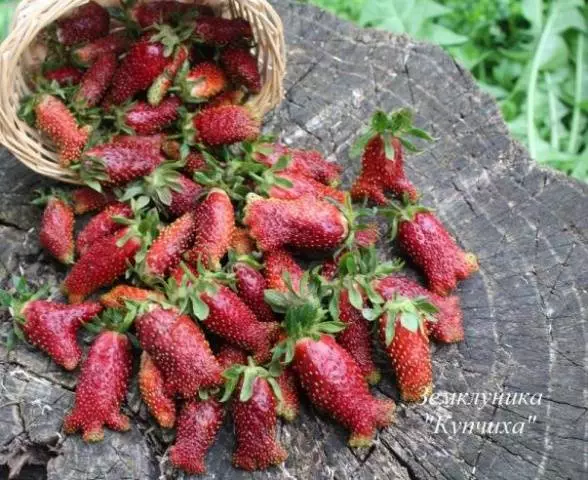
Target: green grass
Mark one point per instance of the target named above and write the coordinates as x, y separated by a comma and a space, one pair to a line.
531, 55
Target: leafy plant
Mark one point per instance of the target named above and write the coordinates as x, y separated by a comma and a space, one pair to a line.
6, 9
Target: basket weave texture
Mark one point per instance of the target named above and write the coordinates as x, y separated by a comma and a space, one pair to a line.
21, 53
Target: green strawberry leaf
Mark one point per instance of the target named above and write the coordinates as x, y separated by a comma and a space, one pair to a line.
355, 297
410, 321
199, 309
249, 378
390, 328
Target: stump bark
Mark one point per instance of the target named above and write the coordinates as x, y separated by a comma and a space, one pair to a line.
525, 312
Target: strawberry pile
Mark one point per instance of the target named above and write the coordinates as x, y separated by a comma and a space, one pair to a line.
246, 277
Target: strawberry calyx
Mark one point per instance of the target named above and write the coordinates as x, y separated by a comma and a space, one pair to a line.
355, 218
42, 196
249, 373
171, 37
43, 87
397, 213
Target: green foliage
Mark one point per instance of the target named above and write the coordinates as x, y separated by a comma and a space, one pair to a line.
531, 55
6, 9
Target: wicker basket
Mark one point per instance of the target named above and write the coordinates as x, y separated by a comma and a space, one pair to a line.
20, 53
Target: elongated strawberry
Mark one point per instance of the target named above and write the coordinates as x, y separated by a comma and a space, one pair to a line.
97, 80
225, 125
147, 14
279, 265
221, 31
86, 55
86, 199
448, 324
120, 294
86, 23
56, 121
158, 90
251, 286
330, 377
241, 66
151, 386
152, 143
306, 162
291, 186
66, 75
56, 234
302, 223
289, 405
429, 245
215, 222
357, 339
102, 225
166, 251
143, 119
179, 350
101, 388
229, 355
382, 163
198, 426
241, 243
204, 81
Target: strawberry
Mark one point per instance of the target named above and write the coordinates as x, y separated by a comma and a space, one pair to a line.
302, 223
119, 162
430, 246
198, 426
330, 377
279, 265
368, 236
194, 163
221, 31
215, 222
56, 121
86, 55
102, 225
329, 268
229, 97
382, 163
165, 252
448, 327
152, 143
254, 416
251, 286
146, 14
120, 294
241, 243
291, 186
225, 125
204, 81
179, 350
101, 388
289, 406
88, 22
86, 199
96, 80
229, 355
140, 118
151, 386
158, 90
56, 234
241, 67
305, 162
66, 75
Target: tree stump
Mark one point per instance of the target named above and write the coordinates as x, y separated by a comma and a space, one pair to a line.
524, 313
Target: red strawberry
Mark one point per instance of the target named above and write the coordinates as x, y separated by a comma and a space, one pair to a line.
225, 125
230, 97
241, 243
101, 388
215, 222
119, 162
86, 23
251, 286
55, 120
166, 251
147, 14
66, 75
430, 246
204, 81
179, 350
102, 225
356, 338
277, 264
305, 162
86, 199
329, 268
302, 223
87, 54
56, 234
151, 385
52, 327
299, 186
97, 80
382, 164
194, 162
289, 405
120, 294
448, 327
221, 31
198, 425
230, 355
151, 143
368, 236
102, 264
241, 66
158, 90
143, 119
